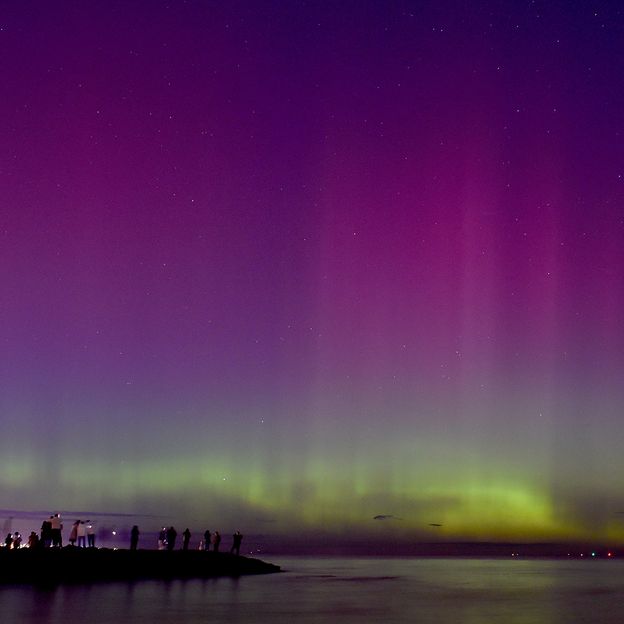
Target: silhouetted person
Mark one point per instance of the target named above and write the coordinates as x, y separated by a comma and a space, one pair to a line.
186, 538
90, 535
33, 540
82, 535
237, 538
206, 539
46, 533
17, 540
216, 540
8, 541
134, 537
162, 539
171, 538
57, 528
73, 534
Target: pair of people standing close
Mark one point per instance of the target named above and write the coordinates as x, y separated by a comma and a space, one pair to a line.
215, 540
56, 528
78, 533
13, 541
51, 532
237, 538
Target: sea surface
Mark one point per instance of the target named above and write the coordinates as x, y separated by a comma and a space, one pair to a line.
319, 590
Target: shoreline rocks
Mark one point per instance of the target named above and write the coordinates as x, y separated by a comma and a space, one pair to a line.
52, 566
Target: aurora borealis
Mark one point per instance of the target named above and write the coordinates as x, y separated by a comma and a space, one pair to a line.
288, 266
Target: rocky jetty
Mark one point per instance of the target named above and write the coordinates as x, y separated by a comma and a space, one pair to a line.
78, 565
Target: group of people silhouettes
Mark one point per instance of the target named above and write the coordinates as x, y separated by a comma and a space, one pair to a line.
82, 535
52, 532
51, 535
14, 540
167, 539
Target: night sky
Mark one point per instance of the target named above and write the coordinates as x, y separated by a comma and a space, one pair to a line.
285, 266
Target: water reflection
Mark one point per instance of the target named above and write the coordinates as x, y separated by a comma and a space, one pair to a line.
315, 591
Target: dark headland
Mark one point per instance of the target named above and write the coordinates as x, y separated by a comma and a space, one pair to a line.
77, 565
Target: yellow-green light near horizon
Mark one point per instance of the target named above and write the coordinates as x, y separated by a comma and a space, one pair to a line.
321, 496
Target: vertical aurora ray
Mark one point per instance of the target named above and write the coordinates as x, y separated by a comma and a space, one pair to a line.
292, 268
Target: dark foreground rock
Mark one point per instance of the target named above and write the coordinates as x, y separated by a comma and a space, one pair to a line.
77, 565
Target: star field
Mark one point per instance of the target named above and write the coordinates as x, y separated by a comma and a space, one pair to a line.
289, 266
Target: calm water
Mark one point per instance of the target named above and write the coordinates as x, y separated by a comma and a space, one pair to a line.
346, 591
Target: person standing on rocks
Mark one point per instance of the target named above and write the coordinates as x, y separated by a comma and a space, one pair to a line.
162, 539
57, 528
73, 534
171, 538
216, 540
134, 537
46, 533
82, 535
237, 538
186, 538
90, 534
